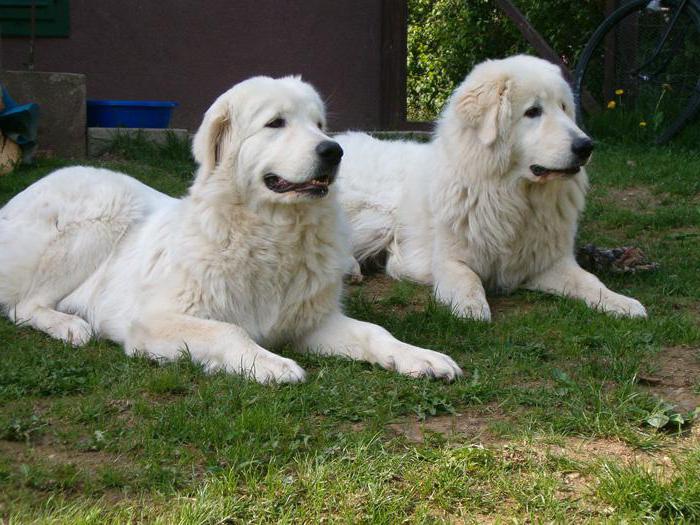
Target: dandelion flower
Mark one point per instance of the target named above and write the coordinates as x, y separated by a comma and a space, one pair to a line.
611, 104
642, 124
619, 91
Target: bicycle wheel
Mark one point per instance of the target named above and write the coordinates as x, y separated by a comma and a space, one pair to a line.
630, 82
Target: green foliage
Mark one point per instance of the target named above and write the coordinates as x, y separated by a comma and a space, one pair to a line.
666, 416
446, 38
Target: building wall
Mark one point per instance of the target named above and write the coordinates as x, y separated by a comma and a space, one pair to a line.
190, 51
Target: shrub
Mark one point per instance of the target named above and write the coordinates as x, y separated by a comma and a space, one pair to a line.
446, 38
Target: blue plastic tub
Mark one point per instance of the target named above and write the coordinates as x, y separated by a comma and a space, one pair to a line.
129, 113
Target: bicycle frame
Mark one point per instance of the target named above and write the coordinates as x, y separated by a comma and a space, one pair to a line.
658, 6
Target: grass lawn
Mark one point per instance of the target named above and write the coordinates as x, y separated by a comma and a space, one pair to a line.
554, 420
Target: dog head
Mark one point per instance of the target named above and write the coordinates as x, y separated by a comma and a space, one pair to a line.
265, 138
523, 106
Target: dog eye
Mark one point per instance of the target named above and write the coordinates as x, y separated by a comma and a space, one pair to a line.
276, 123
320, 125
563, 106
533, 112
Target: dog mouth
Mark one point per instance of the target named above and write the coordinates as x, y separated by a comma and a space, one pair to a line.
316, 187
543, 172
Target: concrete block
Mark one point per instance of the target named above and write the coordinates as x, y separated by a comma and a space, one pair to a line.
61, 97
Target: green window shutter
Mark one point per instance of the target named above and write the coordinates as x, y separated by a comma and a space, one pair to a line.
52, 17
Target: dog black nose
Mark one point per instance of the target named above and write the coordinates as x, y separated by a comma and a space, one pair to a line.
582, 147
330, 152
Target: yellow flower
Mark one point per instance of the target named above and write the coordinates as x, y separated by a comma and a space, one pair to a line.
619, 91
611, 104
642, 124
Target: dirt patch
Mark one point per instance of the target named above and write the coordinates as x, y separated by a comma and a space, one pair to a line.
399, 297
471, 425
637, 198
573, 487
502, 304
676, 378
585, 450
19, 452
375, 286
661, 463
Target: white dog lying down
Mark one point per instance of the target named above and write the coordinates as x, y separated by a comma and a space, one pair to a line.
493, 200
253, 256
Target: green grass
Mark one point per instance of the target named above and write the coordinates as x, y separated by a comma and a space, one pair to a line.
639, 491
549, 422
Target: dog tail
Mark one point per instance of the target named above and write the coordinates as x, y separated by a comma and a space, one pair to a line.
372, 232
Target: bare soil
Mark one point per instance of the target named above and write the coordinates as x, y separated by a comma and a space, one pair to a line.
467, 425
675, 377
21, 452
635, 197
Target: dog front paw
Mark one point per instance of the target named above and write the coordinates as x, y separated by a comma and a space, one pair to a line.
622, 306
469, 304
264, 367
478, 312
472, 309
277, 369
420, 362
72, 329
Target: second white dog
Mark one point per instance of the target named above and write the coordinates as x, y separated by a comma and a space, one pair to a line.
493, 200
253, 256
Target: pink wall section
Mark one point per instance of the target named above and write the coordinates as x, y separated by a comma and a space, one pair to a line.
190, 51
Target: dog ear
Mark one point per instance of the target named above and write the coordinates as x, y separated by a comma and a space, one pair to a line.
486, 107
210, 141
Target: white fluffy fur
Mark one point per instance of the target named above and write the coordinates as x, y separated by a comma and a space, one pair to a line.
228, 269
465, 210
